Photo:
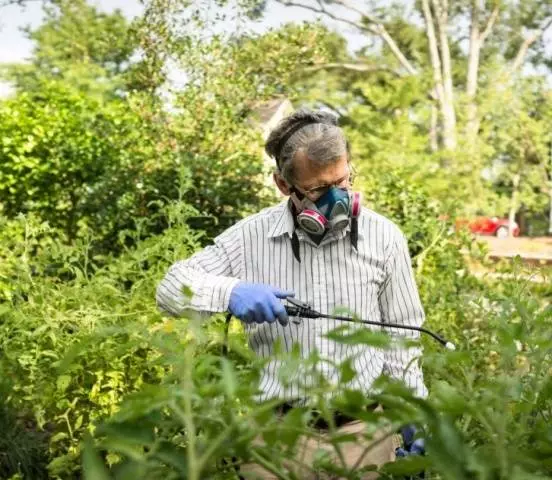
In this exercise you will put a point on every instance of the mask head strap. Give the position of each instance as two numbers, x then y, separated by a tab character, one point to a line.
298	194
288	135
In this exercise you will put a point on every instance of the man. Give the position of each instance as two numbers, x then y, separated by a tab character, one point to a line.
320	246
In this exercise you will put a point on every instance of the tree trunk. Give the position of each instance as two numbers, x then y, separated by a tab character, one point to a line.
442	77
550	189
550	212
449	114
433	136
471	80
514	201
477	39
436	66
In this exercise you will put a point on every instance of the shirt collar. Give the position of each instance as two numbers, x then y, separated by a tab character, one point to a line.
284	224
284	221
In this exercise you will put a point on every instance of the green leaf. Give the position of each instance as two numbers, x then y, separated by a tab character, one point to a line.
59	436
149	399
139	432
346	371
406	466
78	422
174	456
449	399
229	379
63	382
92	465
360	336
187	292
290	429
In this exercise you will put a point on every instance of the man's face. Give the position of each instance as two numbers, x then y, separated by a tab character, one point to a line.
312	178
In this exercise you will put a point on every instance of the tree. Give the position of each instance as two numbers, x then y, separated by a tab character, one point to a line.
227	75
88	157
418	95
78	162
520	137
521	31
97	53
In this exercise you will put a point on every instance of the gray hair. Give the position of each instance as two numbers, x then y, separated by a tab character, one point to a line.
314	132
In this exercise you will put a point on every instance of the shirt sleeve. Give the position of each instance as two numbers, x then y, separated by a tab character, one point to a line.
400	303
203	282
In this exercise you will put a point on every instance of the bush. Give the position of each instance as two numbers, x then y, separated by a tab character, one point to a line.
487	415
22	447
109	311
79	163
85	352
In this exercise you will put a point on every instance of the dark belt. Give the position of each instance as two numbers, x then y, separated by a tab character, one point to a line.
318	421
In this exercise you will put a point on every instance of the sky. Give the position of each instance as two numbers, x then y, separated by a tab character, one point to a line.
15	47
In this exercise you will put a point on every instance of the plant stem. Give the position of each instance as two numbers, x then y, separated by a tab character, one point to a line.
268	466
187	418
202	461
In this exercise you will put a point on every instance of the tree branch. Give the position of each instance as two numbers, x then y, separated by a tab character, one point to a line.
374	26
355	67
382	32
347	5
396	50
489	26
433	52
524	48
364	28
447	107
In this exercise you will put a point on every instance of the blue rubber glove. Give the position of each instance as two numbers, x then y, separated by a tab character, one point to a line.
255	302
411	446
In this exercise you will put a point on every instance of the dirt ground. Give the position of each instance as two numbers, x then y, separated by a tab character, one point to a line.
535	252
530	246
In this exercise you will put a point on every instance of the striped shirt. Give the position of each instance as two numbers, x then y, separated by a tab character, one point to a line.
374	281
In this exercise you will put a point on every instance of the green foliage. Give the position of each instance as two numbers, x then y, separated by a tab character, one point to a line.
72	349
84	48
91	354
216	118
109	183
22	448
487	416
518	131
80	160
393	114
79	163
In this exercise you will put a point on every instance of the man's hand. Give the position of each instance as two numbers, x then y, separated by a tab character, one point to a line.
255	302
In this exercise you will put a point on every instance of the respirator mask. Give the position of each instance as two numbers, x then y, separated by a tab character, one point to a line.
331	211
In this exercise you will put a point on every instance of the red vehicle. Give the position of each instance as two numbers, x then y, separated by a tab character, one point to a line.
489	226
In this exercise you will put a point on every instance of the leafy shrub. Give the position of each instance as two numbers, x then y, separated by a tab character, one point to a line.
85	351
22	448
486	417
77	162
108	310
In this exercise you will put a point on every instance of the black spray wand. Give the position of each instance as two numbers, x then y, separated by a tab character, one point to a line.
303	310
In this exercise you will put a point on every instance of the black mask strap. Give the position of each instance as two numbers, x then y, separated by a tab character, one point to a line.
294	237
354	233
298	194
295	246
289	134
